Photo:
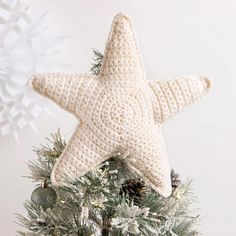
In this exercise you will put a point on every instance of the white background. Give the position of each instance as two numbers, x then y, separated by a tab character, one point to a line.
176	37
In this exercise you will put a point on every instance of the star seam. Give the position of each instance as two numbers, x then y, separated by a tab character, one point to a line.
159	104
167	102
173	94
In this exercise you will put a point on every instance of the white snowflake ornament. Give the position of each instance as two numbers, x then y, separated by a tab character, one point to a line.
25	48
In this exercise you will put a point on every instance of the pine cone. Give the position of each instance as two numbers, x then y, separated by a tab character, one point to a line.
134	189
175	181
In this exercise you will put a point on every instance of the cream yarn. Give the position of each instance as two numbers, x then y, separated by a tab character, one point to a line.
119	110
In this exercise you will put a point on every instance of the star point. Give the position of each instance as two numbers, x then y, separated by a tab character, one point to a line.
122	57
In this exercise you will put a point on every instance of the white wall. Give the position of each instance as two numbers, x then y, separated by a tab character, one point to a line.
176	37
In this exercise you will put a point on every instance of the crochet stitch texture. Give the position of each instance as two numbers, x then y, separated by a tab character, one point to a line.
119	110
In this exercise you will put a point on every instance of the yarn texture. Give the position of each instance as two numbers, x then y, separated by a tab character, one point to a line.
119	111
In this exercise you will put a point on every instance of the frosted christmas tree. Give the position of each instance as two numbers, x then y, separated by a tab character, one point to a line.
110	200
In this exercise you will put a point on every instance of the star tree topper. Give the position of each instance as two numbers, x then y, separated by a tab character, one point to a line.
119	111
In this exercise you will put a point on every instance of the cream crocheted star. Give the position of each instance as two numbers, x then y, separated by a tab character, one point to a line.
119	110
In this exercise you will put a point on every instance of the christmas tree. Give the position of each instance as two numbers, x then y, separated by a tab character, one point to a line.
110	200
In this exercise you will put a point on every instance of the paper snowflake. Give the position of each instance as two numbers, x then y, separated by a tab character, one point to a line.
26	47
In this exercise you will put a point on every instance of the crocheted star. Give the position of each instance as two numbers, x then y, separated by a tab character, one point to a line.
119	110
